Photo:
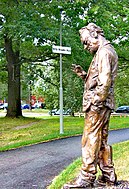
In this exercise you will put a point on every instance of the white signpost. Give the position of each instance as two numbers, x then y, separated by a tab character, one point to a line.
61	50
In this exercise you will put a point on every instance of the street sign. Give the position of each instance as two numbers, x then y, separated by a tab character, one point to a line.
61	50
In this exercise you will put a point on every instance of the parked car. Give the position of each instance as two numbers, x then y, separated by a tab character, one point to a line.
37	105
122	109
3	106
57	112
25	106
52	112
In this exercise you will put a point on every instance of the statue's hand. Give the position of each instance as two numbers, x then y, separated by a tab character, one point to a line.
79	71
76	68
97	101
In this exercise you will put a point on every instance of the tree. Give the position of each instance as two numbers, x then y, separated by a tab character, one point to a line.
21	21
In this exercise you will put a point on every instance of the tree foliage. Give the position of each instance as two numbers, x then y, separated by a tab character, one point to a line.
28	29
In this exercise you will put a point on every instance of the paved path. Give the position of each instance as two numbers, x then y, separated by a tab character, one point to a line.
35	166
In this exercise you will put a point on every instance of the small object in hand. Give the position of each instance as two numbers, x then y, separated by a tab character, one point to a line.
76	68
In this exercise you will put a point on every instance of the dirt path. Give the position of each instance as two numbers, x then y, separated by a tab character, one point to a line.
24	126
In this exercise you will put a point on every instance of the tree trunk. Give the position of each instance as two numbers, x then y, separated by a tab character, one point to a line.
14	100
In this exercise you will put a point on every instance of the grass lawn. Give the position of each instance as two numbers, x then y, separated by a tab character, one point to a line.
26	131
121	163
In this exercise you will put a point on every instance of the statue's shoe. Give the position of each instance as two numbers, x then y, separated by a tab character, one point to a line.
102	181
78	183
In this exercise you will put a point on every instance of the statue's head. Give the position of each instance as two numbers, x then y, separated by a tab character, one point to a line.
90	37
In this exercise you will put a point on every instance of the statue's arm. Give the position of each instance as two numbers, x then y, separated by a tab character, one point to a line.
104	78
79	71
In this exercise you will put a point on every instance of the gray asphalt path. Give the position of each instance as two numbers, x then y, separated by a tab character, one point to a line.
34	167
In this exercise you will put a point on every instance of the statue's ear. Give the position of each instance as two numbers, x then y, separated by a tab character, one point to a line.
94	34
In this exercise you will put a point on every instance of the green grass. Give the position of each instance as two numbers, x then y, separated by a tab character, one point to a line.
23	131
37	130
118	122
121	163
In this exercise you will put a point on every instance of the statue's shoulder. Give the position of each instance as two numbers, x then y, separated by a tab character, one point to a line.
107	49
103	51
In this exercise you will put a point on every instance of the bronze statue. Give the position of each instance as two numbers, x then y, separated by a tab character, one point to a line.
98	102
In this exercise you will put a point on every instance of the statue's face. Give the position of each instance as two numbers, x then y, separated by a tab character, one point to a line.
90	42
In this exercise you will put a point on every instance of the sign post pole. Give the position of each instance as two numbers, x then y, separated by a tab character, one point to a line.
61	88
61	50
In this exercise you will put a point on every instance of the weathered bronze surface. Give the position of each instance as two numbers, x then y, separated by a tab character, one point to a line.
119	185
98	102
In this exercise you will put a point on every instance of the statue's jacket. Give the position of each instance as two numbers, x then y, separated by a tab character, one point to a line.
99	82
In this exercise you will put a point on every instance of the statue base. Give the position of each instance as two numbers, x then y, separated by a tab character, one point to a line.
119	185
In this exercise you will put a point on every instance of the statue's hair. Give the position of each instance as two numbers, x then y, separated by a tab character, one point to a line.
93	27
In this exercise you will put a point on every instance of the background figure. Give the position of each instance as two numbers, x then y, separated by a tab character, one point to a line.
98	102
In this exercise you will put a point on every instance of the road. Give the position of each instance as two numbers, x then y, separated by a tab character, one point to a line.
27	114
34	167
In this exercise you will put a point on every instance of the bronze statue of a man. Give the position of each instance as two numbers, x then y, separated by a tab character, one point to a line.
98	102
